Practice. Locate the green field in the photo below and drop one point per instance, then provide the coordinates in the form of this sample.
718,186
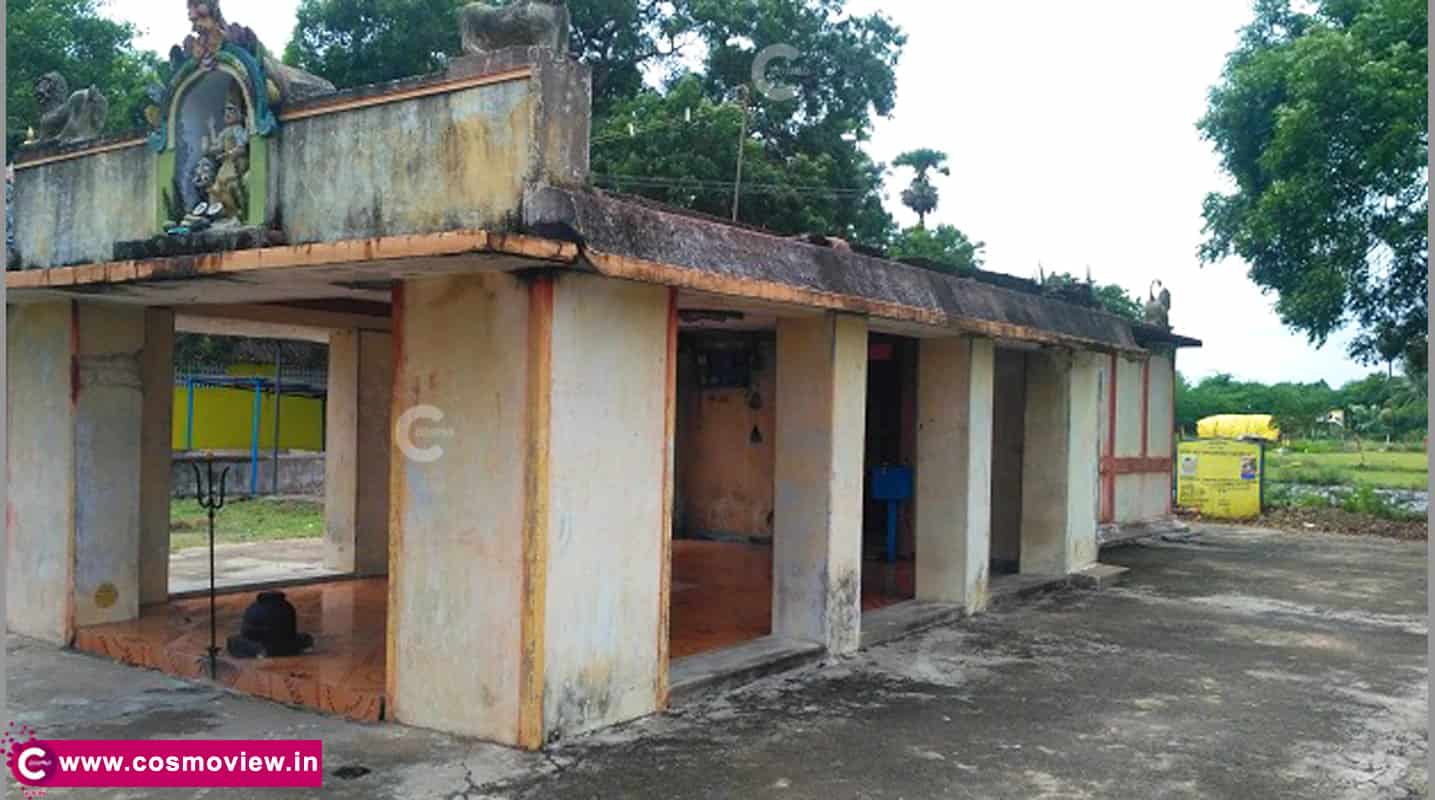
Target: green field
1378,470
258,520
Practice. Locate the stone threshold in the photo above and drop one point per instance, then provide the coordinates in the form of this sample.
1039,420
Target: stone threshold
899,621
704,675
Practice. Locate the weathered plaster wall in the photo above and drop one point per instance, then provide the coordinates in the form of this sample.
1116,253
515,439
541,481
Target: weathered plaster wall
1083,462
1059,493
1008,447
456,613
724,474
40,470
453,160
73,211
821,417
1162,424
954,475
606,521
156,480
1145,496
356,463
442,162
1128,407
109,409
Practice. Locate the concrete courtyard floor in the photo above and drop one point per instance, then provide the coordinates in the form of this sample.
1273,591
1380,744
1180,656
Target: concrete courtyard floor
1236,663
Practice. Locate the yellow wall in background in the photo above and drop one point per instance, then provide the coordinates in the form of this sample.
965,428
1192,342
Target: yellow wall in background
224,418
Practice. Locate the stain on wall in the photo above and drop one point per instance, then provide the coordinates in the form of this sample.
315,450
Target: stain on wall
73,211
726,439
606,495
442,162
459,519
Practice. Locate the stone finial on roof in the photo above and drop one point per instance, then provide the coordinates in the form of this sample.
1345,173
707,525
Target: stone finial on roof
522,23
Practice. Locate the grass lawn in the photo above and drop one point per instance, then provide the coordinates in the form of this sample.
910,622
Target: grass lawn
258,520
1380,470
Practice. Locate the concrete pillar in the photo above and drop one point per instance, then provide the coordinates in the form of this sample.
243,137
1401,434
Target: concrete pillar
531,504
1061,462
356,452
954,470
157,370
817,537
40,468
75,422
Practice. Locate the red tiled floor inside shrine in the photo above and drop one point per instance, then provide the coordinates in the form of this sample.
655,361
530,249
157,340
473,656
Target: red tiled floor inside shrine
722,593
342,674
721,596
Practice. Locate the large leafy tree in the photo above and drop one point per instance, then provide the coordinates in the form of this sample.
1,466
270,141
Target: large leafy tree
840,70
72,38
680,147
358,42
1321,121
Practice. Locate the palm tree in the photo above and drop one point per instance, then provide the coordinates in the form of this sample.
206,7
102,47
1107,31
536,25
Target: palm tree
921,196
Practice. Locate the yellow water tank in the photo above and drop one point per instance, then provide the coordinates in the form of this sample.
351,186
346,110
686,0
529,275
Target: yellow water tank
1239,426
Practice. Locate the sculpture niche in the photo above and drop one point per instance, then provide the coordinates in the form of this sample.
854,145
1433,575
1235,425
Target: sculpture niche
218,177
525,23
66,117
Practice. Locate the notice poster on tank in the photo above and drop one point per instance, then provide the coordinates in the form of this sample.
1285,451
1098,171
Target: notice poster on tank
1220,478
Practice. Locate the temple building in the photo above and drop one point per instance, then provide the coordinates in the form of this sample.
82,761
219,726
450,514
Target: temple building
584,453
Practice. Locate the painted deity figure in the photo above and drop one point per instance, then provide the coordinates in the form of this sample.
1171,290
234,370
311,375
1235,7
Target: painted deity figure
207,21
203,214
230,151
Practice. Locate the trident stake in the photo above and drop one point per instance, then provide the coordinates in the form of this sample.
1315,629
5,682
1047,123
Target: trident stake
211,501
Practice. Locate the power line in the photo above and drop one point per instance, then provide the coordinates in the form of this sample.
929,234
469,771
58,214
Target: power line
720,186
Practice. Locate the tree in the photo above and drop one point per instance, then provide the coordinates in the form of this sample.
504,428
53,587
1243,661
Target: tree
804,166
1320,119
943,245
922,196
1378,405
358,42
72,38
680,147
623,40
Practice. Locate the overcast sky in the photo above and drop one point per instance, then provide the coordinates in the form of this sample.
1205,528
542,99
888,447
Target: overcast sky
1071,131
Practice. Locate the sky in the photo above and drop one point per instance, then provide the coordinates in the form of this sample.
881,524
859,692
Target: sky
1071,133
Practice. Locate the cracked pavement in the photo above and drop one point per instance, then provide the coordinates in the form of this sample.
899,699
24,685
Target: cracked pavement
1232,663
